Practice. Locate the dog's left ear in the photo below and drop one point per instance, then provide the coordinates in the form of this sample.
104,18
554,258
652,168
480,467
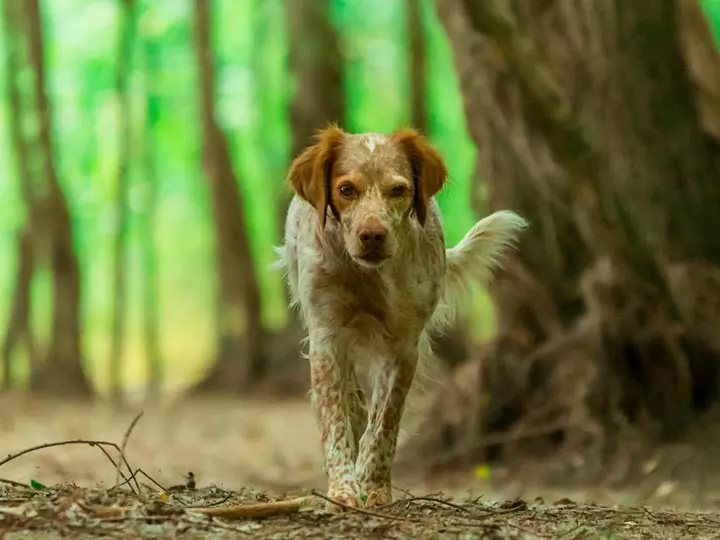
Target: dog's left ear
310,172
428,168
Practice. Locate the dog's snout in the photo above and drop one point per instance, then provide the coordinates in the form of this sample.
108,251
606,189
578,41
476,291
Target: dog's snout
373,237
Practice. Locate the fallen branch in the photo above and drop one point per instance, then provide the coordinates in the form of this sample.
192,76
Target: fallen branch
258,510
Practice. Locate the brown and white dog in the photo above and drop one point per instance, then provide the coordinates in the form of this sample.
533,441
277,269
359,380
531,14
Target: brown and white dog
366,263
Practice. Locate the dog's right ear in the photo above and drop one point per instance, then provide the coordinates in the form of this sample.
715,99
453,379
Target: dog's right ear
310,172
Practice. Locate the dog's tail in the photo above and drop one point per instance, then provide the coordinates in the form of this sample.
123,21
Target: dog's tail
474,260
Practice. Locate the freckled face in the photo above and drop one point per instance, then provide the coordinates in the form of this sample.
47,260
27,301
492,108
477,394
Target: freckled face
371,189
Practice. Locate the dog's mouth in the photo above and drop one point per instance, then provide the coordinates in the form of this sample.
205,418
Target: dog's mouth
372,259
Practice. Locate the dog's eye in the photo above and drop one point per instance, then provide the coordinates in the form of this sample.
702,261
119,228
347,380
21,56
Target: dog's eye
398,191
346,190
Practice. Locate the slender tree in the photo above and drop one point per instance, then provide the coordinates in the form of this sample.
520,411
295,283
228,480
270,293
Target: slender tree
62,371
418,64
18,330
122,183
240,341
316,63
151,315
606,139
452,344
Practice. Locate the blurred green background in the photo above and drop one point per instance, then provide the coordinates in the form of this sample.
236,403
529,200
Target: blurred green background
253,92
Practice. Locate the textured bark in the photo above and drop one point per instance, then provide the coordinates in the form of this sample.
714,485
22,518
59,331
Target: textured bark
588,124
62,371
240,360
122,185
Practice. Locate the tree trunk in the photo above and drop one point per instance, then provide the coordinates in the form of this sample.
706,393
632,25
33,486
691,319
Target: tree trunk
119,312
418,65
589,122
62,371
18,329
240,360
315,61
151,317
452,345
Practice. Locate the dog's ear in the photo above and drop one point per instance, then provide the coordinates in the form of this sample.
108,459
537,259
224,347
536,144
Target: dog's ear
428,168
310,172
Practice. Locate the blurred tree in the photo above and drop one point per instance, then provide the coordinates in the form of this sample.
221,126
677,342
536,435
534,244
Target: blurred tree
316,63
19,329
600,124
240,357
452,345
123,71
62,371
150,303
418,65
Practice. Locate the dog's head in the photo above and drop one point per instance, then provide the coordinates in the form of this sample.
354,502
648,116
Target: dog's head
371,183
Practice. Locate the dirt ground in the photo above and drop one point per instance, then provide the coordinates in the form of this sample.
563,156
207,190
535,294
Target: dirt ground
252,452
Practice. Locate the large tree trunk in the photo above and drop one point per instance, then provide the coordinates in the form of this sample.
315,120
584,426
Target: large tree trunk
590,122
151,314
240,359
62,372
122,184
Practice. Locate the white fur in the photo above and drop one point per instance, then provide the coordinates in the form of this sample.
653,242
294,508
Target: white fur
475,259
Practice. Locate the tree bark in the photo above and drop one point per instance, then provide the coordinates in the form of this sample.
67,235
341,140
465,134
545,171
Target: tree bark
151,314
122,184
240,360
589,126
62,371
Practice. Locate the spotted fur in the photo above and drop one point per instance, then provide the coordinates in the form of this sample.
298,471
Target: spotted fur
375,314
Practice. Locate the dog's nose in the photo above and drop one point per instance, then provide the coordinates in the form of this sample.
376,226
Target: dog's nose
373,237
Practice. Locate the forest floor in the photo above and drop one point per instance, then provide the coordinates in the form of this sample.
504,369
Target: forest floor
248,453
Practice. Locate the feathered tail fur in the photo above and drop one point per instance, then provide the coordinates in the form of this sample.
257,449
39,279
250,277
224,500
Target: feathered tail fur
475,259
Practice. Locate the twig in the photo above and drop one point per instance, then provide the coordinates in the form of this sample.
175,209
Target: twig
124,446
427,498
357,509
89,442
13,483
126,480
221,501
140,472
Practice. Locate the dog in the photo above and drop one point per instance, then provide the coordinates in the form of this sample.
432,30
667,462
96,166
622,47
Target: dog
366,264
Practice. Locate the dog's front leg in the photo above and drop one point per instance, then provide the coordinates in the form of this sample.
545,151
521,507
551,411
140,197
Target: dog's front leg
378,443
333,397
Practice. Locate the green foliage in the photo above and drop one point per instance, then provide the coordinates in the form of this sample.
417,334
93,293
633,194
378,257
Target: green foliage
253,92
